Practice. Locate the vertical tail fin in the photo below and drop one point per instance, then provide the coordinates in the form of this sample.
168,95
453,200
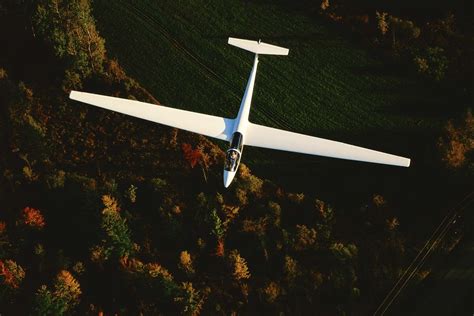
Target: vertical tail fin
258,47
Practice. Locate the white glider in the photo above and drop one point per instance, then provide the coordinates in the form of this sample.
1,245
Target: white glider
240,131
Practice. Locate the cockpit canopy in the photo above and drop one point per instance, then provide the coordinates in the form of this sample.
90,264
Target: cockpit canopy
232,160
233,154
237,141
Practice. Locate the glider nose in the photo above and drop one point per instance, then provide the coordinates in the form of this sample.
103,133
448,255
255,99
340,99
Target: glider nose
228,177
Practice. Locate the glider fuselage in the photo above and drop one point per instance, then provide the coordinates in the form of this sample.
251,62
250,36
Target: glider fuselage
234,153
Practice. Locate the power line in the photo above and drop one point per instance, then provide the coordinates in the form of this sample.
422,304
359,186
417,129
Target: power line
423,254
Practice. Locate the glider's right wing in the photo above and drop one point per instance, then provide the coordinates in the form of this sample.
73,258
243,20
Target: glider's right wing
208,125
267,137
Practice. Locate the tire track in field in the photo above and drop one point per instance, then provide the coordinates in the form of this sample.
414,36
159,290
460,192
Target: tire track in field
207,71
262,112
334,115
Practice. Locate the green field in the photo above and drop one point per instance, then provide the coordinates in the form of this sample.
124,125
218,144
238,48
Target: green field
328,86
178,51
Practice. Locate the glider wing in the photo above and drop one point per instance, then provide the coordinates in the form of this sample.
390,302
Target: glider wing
208,125
267,137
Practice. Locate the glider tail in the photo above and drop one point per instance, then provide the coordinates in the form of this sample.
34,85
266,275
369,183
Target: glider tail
258,47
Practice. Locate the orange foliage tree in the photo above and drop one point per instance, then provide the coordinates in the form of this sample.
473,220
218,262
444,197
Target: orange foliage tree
457,145
239,266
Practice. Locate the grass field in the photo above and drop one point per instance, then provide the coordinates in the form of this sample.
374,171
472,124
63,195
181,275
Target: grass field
327,86
178,51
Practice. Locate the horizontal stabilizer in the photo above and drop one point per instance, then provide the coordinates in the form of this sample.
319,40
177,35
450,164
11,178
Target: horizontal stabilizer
258,47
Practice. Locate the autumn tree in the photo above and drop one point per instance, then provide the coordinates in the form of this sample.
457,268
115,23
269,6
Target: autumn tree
250,183
343,270
259,228
271,292
28,129
131,193
403,29
192,156
275,213
239,268
153,269
157,286
62,299
190,299
324,4
70,29
382,23
117,242
432,63
343,251
324,211
185,262
11,275
457,145
291,270
3,228
32,217
305,237
296,198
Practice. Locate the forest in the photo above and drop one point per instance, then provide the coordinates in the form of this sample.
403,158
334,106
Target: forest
105,214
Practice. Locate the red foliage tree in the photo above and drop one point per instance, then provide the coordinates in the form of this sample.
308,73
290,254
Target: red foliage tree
3,227
192,156
11,273
220,249
32,217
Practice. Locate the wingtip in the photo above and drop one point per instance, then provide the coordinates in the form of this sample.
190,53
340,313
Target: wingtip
72,94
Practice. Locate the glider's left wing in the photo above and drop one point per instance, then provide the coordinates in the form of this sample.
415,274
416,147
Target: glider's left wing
267,137
208,125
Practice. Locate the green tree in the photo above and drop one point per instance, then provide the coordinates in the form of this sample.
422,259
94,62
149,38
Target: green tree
217,228
117,242
190,299
62,299
433,63
28,132
70,29
305,237
403,29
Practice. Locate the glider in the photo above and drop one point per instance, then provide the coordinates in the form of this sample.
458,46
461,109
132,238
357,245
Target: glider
239,131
